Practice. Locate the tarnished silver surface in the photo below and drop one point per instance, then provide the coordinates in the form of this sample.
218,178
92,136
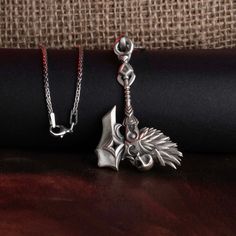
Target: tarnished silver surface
111,145
142,147
54,129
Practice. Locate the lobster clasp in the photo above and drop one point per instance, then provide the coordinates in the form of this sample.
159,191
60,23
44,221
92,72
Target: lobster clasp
59,131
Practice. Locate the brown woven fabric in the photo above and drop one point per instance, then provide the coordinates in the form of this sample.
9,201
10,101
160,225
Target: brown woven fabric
96,23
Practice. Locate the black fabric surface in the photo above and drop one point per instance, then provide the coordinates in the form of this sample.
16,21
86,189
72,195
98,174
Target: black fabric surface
189,95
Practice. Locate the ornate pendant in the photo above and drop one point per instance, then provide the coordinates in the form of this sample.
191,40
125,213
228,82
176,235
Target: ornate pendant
142,147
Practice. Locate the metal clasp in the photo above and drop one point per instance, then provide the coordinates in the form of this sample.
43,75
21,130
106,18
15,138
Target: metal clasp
59,130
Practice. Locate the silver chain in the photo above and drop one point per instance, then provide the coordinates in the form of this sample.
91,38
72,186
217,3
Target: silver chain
59,130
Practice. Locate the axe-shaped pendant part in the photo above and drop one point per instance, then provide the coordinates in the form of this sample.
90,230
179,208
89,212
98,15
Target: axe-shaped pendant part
111,145
142,147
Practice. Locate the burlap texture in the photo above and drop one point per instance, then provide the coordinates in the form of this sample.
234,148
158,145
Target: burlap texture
96,23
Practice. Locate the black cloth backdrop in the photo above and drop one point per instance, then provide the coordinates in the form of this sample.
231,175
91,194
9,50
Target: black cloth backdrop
189,95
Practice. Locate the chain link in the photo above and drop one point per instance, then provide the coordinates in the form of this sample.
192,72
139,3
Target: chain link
74,111
46,80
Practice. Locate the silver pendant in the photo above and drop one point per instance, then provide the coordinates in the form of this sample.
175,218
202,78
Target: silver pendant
141,147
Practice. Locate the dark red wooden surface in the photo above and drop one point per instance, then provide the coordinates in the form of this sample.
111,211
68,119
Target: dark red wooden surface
48,193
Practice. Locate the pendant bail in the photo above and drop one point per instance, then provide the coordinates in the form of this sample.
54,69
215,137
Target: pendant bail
123,48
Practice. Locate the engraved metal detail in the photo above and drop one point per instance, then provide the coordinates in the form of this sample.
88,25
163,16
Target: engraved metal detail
141,147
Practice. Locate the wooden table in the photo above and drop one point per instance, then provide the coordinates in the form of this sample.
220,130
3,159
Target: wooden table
49,193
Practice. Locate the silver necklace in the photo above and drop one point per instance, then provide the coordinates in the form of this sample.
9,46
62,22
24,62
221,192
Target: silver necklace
60,130
142,147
